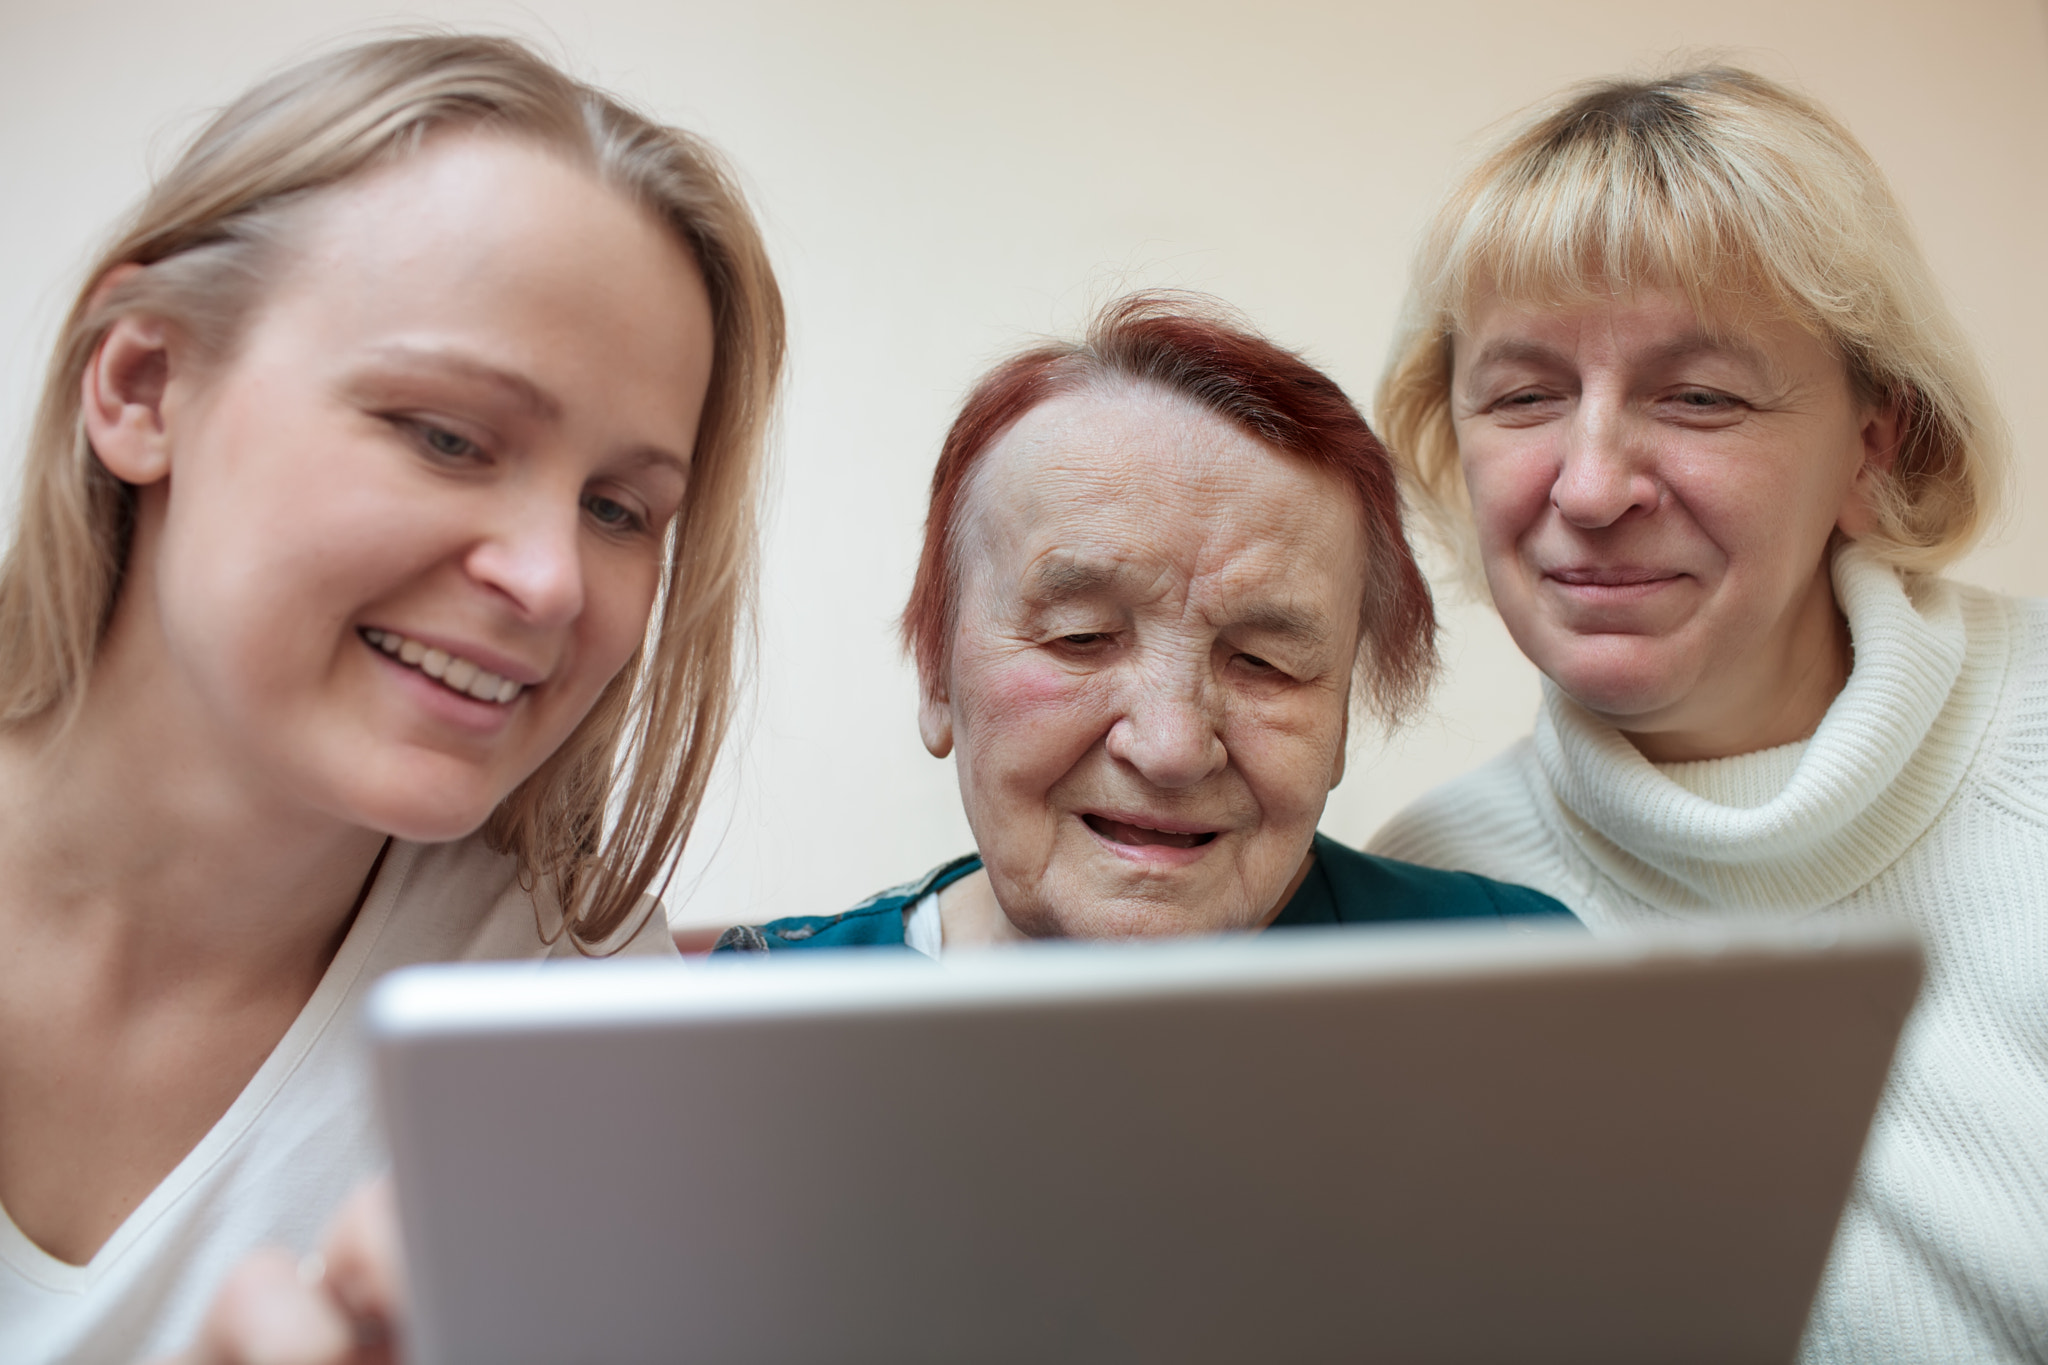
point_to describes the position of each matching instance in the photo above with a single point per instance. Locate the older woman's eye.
(1084, 639)
(1705, 400)
(1707, 406)
(1524, 405)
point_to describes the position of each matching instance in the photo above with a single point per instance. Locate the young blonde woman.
(386, 527)
(1677, 376)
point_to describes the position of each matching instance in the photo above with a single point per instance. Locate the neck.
(971, 917)
(146, 841)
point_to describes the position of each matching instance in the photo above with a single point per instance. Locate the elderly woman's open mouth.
(1131, 833)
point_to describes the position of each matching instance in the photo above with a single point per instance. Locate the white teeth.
(460, 674)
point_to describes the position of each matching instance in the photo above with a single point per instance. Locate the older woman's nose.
(1170, 735)
(1606, 470)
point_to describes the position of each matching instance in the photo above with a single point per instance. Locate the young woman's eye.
(610, 513)
(446, 443)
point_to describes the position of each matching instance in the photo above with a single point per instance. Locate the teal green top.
(1343, 886)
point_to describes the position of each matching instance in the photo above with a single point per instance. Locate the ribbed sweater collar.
(1882, 766)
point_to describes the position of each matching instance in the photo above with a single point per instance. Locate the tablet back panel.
(1418, 1146)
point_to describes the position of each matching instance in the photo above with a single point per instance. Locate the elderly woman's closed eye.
(1163, 569)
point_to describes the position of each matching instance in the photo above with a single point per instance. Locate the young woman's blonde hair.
(605, 813)
(1754, 202)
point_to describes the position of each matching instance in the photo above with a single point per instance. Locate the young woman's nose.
(534, 556)
(1170, 731)
(1605, 470)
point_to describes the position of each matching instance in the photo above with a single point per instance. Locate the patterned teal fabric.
(1343, 887)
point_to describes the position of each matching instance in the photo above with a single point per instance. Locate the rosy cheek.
(1035, 684)
(1034, 708)
(1508, 475)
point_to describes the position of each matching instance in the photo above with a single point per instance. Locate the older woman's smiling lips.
(1611, 585)
(1150, 840)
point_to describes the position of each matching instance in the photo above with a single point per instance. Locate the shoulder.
(1371, 888)
(871, 926)
(465, 901)
(876, 922)
(454, 901)
(2008, 642)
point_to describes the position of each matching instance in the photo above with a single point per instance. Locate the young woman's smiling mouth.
(452, 671)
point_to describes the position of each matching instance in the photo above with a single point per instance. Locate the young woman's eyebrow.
(522, 393)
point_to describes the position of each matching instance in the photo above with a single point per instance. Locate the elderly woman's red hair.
(1190, 346)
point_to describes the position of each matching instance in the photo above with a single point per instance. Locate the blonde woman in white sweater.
(1678, 381)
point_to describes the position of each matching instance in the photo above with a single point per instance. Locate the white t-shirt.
(299, 1137)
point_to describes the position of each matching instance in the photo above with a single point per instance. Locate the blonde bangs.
(1597, 222)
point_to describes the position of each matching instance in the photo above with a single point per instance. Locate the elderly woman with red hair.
(1163, 569)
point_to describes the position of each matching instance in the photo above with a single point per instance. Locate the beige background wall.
(942, 180)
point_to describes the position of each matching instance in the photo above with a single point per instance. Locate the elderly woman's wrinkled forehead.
(1135, 494)
(1111, 455)
(1085, 432)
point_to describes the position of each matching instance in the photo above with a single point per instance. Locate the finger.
(365, 1270)
(266, 1315)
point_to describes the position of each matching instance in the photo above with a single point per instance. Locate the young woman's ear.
(122, 397)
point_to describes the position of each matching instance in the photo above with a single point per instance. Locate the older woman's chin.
(1123, 917)
(1619, 677)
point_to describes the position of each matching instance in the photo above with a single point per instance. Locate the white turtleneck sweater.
(1922, 797)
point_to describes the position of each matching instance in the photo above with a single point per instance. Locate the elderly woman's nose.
(1606, 469)
(1170, 733)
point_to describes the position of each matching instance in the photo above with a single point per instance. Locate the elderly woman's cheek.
(1031, 709)
(1290, 749)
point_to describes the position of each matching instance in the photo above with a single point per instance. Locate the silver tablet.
(1416, 1145)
